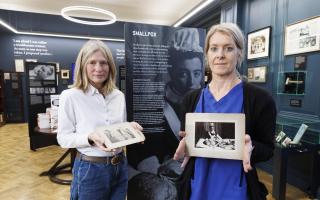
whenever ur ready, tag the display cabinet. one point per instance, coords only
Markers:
(290, 122)
(291, 82)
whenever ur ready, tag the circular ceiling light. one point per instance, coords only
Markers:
(87, 8)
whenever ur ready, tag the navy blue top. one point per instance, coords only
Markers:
(220, 179)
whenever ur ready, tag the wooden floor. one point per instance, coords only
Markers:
(20, 168)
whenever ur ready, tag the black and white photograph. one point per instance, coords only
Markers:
(119, 135)
(258, 43)
(302, 36)
(219, 135)
(42, 72)
(215, 135)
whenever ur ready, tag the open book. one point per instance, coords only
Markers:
(119, 135)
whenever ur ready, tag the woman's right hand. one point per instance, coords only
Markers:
(181, 150)
(98, 139)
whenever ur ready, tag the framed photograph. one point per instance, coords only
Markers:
(302, 36)
(120, 135)
(41, 71)
(65, 74)
(259, 43)
(6, 76)
(215, 135)
(19, 64)
(257, 74)
(300, 63)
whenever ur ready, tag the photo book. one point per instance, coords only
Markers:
(215, 135)
(119, 135)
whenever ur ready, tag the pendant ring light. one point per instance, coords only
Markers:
(87, 8)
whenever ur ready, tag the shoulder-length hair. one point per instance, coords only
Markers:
(81, 80)
(231, 30)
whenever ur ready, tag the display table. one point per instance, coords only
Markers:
(289, 123)
(281, 155)
(56, 169)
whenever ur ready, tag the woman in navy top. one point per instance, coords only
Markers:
(227, 93)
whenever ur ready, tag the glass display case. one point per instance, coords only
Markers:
(290, 122)
(303, 159)
(291, 83)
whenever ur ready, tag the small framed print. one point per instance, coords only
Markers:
(257, 74)
(300, 63)
(19, 64)
(6, 76)
(259, 43)
(120, 135)
(215, 135)
(65, 74)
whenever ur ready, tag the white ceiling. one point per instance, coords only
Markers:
(161, 12)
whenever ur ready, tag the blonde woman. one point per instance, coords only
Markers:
(94, 100)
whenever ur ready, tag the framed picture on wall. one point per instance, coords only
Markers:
(41, 71)
(302, 36)
(257, 74)
(65, 74)
(259, 43)
(300, 63)
(19, 64)
(215, 135)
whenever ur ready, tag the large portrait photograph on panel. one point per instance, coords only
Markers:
(41, 71)
(302, 36)
(215, 135)
(259, 43)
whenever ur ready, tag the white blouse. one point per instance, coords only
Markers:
(81, 112)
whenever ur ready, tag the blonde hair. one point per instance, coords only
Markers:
(81, 78)
(234, 32)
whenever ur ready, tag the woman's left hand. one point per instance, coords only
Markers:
(248, 148)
